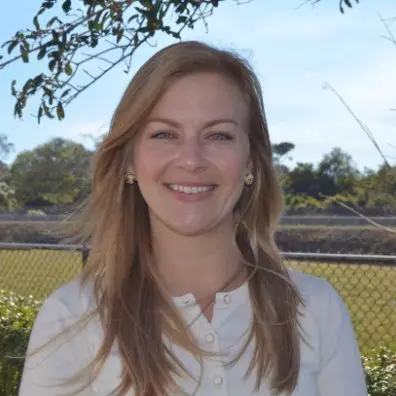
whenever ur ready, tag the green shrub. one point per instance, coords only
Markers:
(17, 315)
(380, 369)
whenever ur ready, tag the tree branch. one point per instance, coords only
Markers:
(364, 127)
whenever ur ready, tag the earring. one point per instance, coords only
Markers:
(249, 178)
(130, 178)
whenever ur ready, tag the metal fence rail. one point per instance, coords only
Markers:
(310, 220)
(367, 283)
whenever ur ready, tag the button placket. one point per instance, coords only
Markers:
(209, 338)
(218, 380)
(227, 299)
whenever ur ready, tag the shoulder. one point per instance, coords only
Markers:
(323, 305)
(70, 301)
(313, 288)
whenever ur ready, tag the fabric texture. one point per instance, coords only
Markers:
(330, 364)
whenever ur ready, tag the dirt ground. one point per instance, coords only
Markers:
(357, 240)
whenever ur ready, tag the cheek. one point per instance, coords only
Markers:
(233, 167)
(148, 163)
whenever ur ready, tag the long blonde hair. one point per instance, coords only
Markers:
(126, 285)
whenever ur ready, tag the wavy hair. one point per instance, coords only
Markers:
(132, 303)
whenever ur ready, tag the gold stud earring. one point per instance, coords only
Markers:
(130, 178)
(249, 178)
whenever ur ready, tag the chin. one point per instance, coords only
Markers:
(190, 230)
(189, 225)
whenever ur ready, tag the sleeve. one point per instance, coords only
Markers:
(45, 370)
(341, 370)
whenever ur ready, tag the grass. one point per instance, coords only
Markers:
(370, 294)
(369, 291)
(37, 272)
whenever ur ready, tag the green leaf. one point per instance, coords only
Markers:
(47, 4)
(181, 19)
(13, 90)
(42, 52)
(130, 19)
(47, 91)
(12, 46)
(120, 34)
(40, 114)
(65, 93)
(52, 64)
(47, 111)
(181, 8)
(53, 20)
(18, 109)
(66, 6)
(68, 69)
(36, 23)
(60, 112)
(38, 79)
(24, 54)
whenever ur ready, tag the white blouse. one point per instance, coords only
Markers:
(330, 366)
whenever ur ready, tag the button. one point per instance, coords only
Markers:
(227, 299)
(218, 380)
(209, 337)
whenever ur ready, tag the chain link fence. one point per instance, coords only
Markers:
(366, 283)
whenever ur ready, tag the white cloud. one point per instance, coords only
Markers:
(84, 132)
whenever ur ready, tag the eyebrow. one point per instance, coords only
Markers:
(208, 124)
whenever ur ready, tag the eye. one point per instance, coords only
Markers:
(162, 135)
(220, 136)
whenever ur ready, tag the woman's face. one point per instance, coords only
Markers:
(191, 158)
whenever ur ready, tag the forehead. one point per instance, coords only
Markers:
(202, 95)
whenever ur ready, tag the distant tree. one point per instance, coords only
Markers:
(82, 40)
(379, 190)
(7, 201)
(5, 147)
(56, 172)
(303, 180)
(337, 173)
(7, 197)
(280, 150)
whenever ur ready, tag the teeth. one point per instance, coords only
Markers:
(189, 189)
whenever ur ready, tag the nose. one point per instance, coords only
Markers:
(191, 155)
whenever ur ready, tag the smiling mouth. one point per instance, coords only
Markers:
(190, 189)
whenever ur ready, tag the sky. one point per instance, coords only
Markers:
(294, 51)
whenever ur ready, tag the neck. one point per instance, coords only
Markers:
(201, 265)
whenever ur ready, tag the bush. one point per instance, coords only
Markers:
(380, 369)
(17, 316)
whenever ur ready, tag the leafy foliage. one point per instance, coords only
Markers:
(54, 173)
(5, 146)
(280, 150)
(341, 4)
(79, 41)
(380, 369)
(97, 33)
(7, 197)
(17, 316)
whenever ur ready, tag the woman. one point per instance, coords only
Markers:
(185, 291)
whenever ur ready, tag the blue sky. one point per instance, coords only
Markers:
(294, 52)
